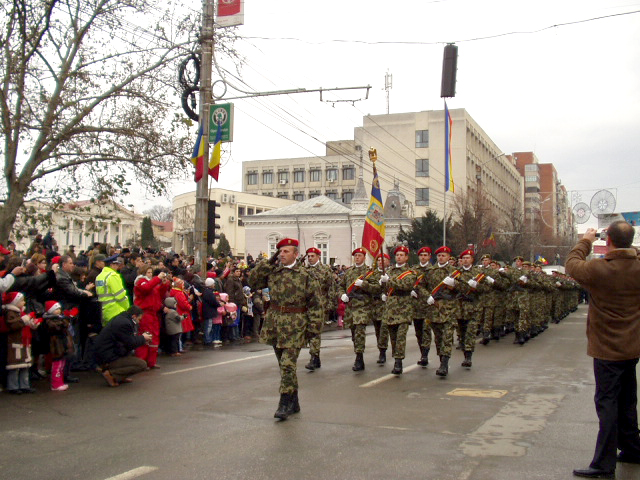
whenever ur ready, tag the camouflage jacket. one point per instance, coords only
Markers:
(421, 309)
(397, 308)
(465, 292)
(436, 276)
(358, 309)
(324, 276)
(294, 303)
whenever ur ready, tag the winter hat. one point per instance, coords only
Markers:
(55, 260)
(212, 275)
(224, 297)
(12, 298)
(246, 290)
(170, 302)
(209, 282)
(51, 305)
(230, 307)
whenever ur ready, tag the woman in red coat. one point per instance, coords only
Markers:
(149, 291)
(184, 306)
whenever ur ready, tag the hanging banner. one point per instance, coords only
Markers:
(230, 13)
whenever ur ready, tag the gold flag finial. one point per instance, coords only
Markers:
(373, 154)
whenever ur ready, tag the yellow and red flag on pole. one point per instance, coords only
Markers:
(374, 225)
(214, 162)
(448, 163)
(197, 158)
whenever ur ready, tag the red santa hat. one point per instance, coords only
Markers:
(51, 305)
(443, 249)
(424, 250)
(12, 298)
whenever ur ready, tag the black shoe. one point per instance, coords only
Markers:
(311, 365)
(624, 458)
(397, 367)
(28, 390)
(443, 370)
(424, 359)
(359, 363)
(467, 359)
(71, 380)
(14, 392)
(284, 407)
(594, 473)
(316, 361)
(295, 403)
(382, 359)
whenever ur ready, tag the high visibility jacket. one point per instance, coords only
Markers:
(111, 294)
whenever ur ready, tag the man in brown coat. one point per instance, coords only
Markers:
(613, 335)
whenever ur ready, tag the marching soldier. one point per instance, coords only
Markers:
(294, 305)
(519, 312)
(326, 295)
(423, 312)
(488, 301)
(399, 282)
(502, 296)
(377, 307)
(357, 300)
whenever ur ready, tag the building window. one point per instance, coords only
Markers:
(332, 174)
(348, 173)
(283, 195)
(252, 178)
(314, 194)
(267, 177)
(267, 194)
(298, 196)
(531, 167)
(332, 195)
(298, 176)
(250, 211)
(283, 178)
(315, 175)
(324, 252)
(347, 196)
(422, 138)
(258, 210)
(531, 178)
(240, 211)
(422, 196)
(422, 167)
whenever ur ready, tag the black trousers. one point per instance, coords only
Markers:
(616, 401)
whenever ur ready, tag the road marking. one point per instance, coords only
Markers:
(472, 392)
(136, 472)
(387, 377)
(270, 354)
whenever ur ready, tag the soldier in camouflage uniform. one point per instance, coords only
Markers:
(489, 300)
(500, 289)
(440, 290)
(326, 296)
(423, 312)
(399, 280)
(472, 282)
(356, 292)
(294, 305)
(520, 311)
(377, 308)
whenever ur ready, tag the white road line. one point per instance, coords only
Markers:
(136, 472)
(387, 377)
(270, 354)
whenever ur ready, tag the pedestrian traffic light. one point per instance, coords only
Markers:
(212, 226)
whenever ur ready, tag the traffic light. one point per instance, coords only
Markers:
(212, 226)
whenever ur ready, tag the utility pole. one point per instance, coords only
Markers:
(202, 190)
(388, 78)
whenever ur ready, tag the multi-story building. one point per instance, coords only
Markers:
(233, 206)
(410, 148)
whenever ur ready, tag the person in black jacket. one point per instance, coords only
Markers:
(114, 345)
(209, 310)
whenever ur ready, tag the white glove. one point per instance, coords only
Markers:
(501, 270)
(344, 298)
(523, 279)
(430, 300)
(449, 282)
(473, 284)
(558, 284)
(384, 278)
(383, 297)
(358, 282)
(414, 294)
(490, 280)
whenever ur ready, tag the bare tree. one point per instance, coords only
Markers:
(88, 102)
(473, 219)
(160, 213)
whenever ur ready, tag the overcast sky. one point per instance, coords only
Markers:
(569, 93)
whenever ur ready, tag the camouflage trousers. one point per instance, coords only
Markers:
(422, 329)
(398, 336)
(382, 334)
(488, 318)
(520, 316)
(498, 316)
(288, 363)
(358, 337)
(443, 337)
(313, 334)
(468, 333)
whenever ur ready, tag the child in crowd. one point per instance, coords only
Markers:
(247, 318)
(19, 326)
(340, 313)
(60, 343)
(216, 330)
(173, 326)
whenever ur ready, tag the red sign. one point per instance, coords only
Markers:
(229, 7)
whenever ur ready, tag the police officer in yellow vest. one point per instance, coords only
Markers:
(110, 290)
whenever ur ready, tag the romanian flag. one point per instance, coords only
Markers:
(214, 162)
(197, 158)
(374, 226)
(490, 240)
(448, 173)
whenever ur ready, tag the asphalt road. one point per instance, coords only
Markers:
(520, 412)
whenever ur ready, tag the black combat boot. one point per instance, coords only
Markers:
(382, 359)
(359, 363)
(486, 336)
(495, 334)
(397, 367)
(295, 403)
(424, 359)
(316, 361)
(284, 407)
(520, 338)
(467, 359)
(312, 363)
(443, 370)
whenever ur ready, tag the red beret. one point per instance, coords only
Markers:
(286, 242)
(468, 252)
(424, 250)
(443, 250)
(359, 250)
(385, 255)
(314, 250)
(401, 248)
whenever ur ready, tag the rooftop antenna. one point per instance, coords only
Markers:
(388, 79)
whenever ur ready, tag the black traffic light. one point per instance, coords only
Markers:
(212, 226)
(449, 70)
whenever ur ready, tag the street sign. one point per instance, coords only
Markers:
(221, 113)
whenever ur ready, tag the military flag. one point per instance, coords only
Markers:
(214, 163)
(197, 158)
(448, 166)
(490, 239)
(374, 225)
